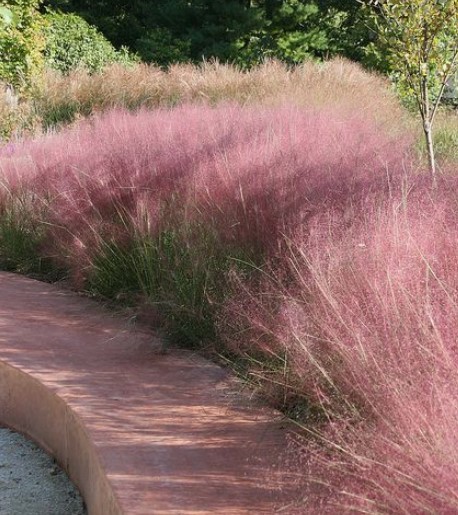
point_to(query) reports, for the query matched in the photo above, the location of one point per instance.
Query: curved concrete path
(138, 431)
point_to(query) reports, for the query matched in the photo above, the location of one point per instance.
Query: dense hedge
(71, 43)
(21, 42)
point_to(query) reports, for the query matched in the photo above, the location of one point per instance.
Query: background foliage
(21, 42)
(239, 31)
(71, 43)
(65, 34)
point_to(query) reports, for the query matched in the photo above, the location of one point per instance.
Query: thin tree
(421, 39)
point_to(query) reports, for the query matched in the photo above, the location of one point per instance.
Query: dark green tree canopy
(240, 31)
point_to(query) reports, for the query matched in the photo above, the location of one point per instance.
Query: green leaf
(6, 16)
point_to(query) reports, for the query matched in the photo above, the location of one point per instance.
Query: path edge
(33, 409)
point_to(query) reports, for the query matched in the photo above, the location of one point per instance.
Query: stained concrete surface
(139, 431)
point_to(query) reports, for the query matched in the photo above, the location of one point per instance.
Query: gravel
(30, 481)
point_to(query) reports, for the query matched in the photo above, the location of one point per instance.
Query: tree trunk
(430, 147)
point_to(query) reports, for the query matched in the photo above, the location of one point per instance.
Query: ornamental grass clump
(331, 85)
(249, 176)
(358, 322)
(301, 240)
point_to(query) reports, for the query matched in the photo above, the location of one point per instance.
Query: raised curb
(46, 418)
(138, 432)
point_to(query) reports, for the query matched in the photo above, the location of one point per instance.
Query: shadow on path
(170, 435)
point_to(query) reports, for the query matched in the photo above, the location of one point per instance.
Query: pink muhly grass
(251, 175)
(355, 313)
(364, 314)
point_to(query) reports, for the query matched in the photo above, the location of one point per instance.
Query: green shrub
(21, 43)
(17, 122)
(71, 43)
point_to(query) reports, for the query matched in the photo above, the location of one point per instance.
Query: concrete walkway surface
(139, 432)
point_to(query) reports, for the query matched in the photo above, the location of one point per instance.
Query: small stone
(53, 471)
